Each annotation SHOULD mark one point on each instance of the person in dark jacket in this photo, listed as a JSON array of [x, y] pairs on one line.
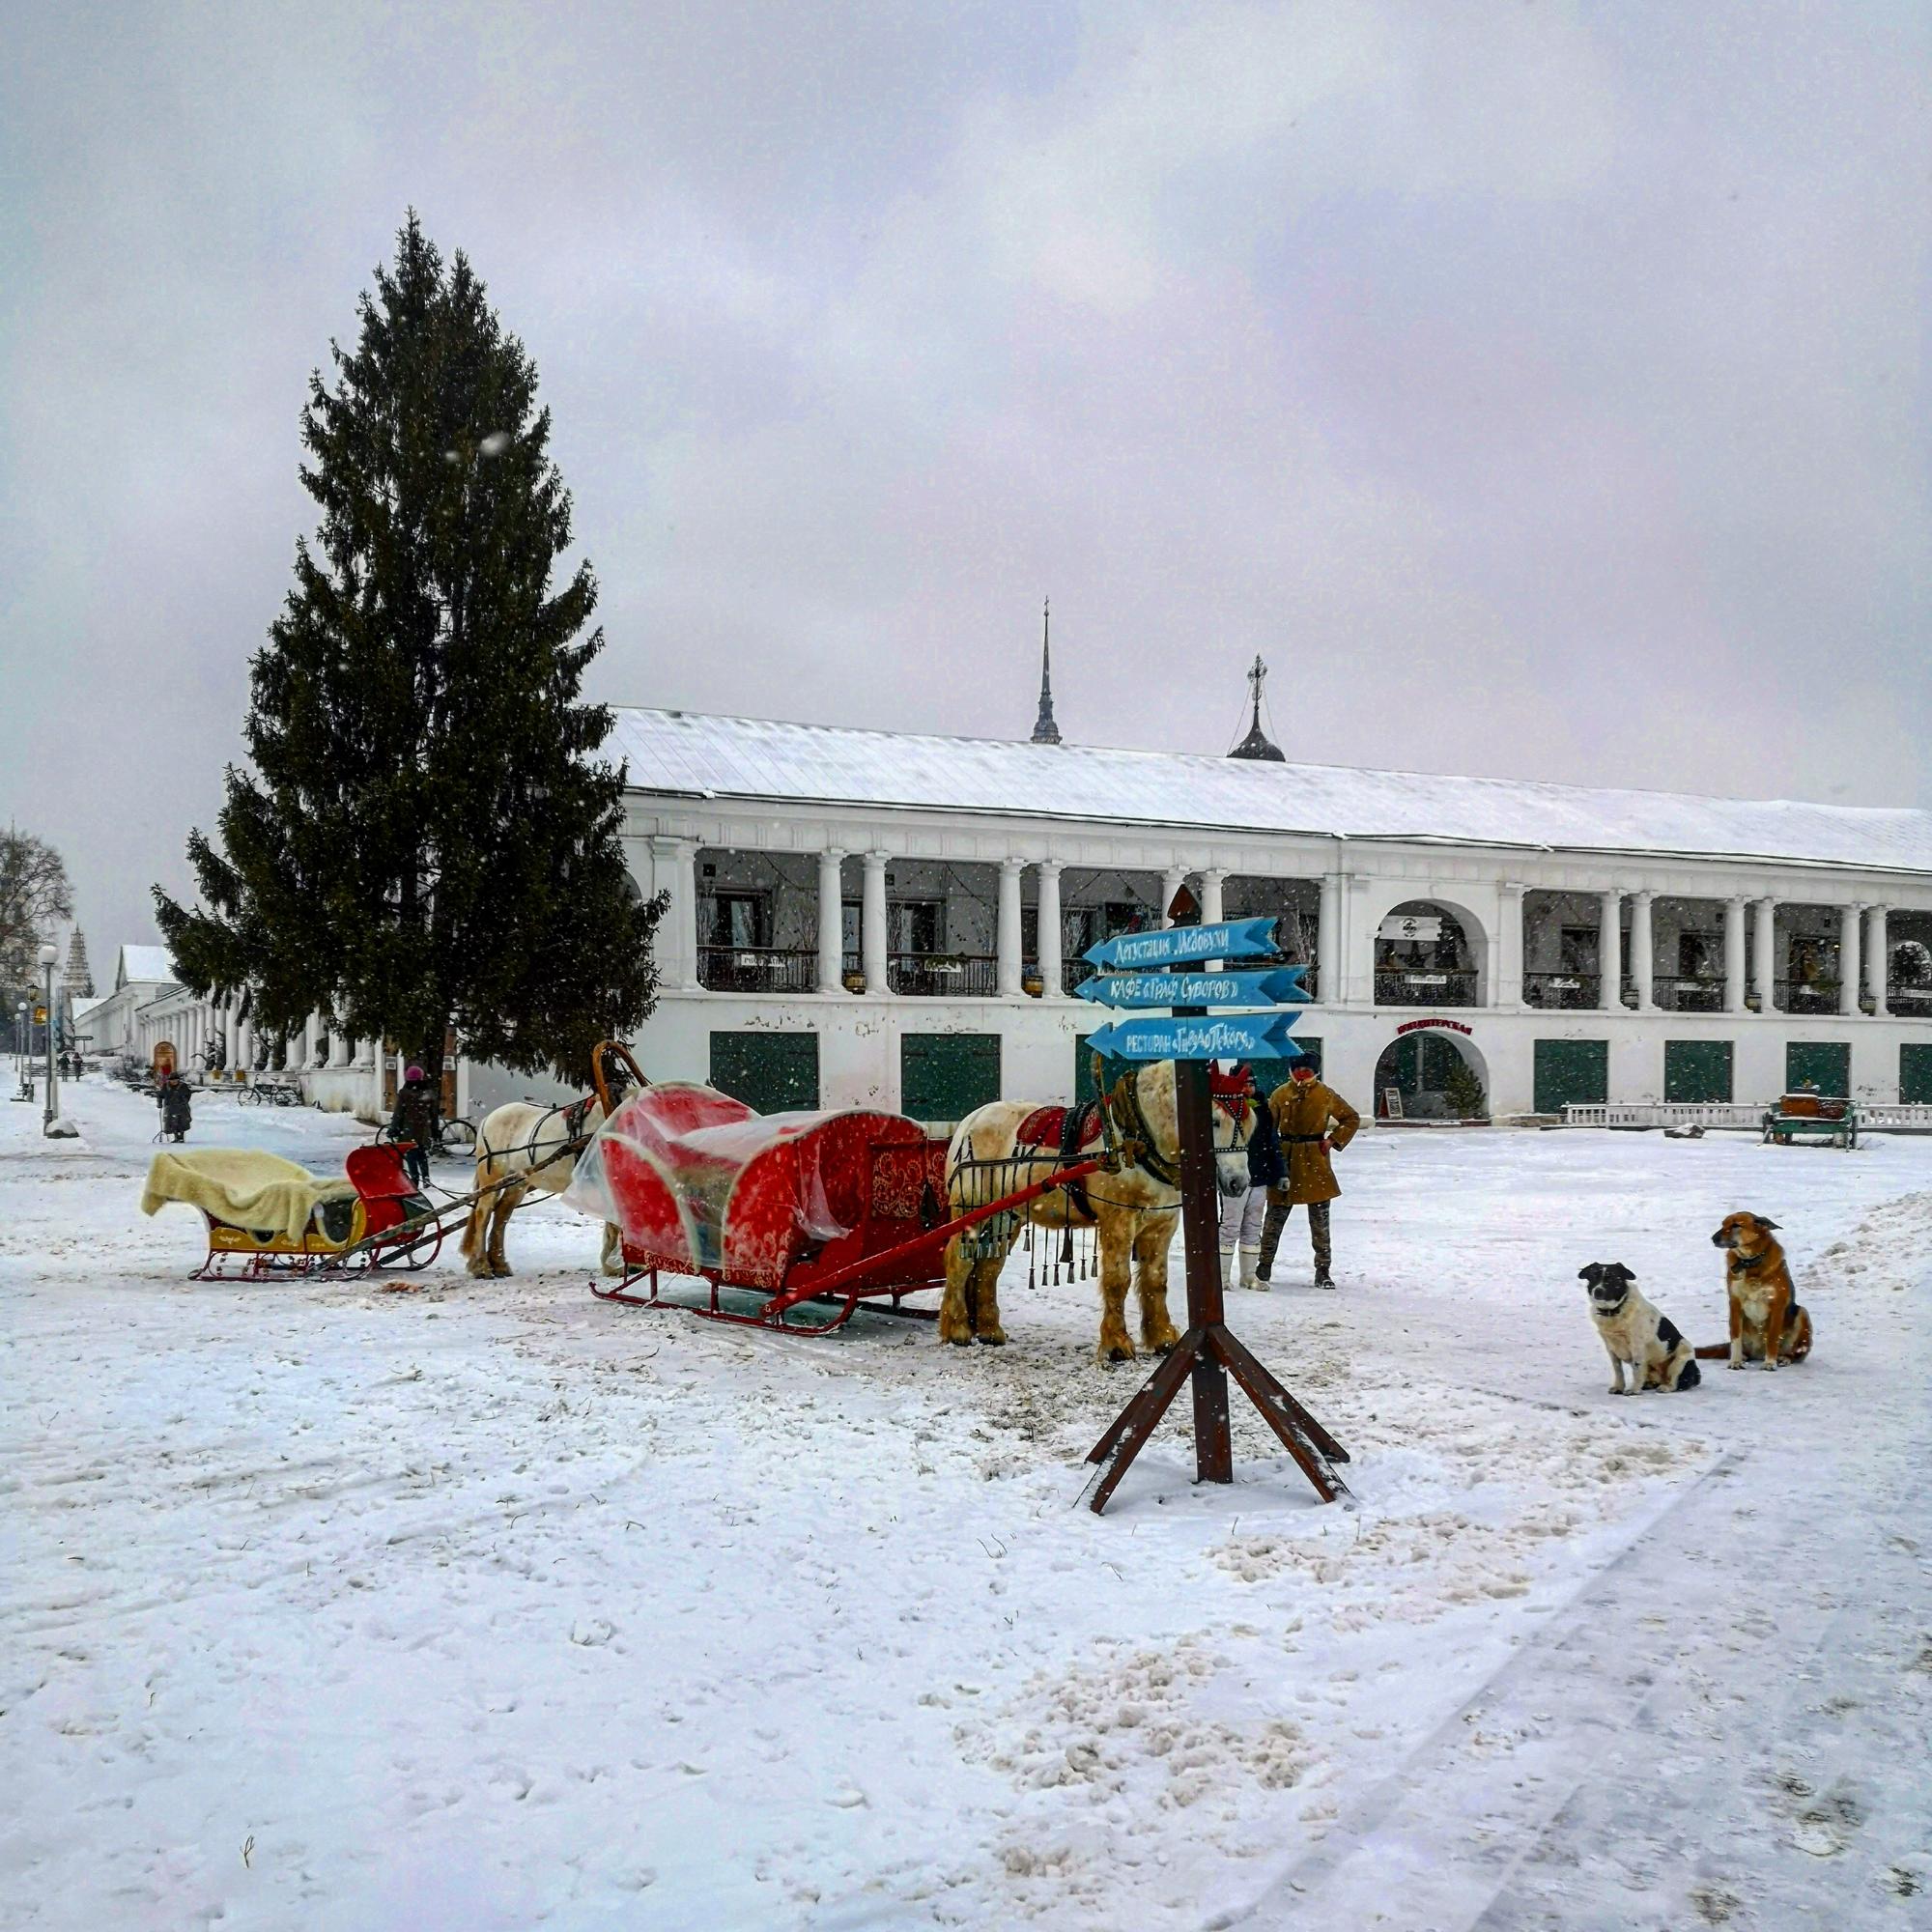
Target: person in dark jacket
[[416, 1123], [1241, 1213], [175, 1100]]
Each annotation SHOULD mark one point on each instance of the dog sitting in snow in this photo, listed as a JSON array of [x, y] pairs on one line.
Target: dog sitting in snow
[[1633, 1332], [1767, 1323]]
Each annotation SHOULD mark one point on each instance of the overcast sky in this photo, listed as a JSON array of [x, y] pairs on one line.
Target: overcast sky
[[1542, 388]]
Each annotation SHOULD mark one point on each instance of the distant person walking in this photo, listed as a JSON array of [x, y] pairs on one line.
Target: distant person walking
[[414, 1123], [175, 1100], [1311, 1119]]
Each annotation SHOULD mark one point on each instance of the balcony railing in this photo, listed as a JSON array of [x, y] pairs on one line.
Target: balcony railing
[[1909, 998], [1572, 991], [756, 969], [1682, 993], [942, 975], [1807, 996], [1426, 986]]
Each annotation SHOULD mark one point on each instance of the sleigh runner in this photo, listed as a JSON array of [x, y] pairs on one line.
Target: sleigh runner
[[810, 1212]]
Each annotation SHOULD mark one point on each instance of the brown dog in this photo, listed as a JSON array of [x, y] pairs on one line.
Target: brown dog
[[1767, 1323]]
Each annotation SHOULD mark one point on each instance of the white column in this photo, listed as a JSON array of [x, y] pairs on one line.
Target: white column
[[1006, 944], [1765, 973], [1328, 941], [340, 1047], [1851, 929], [1643, 958], [245, 1044], [674, 867], [1734, 955], [365, 1052], [311, 1042], [1506, 988], [1610, 954], [1170, 882], [1878, 961], [1212, 878], [1051, 971], [831, 921], [873, 925], [1359, 939]]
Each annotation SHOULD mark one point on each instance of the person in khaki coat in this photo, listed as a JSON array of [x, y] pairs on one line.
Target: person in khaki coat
[[1311, 1119]]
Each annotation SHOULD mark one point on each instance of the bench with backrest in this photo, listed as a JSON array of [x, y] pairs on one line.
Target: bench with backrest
[[1809, 1115]]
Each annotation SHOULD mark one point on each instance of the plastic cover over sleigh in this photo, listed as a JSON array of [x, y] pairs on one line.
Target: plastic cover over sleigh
[[700, 1185]]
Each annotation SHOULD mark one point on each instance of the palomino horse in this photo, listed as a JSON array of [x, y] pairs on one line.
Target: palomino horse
[[524, 1149], [1133, 1211]]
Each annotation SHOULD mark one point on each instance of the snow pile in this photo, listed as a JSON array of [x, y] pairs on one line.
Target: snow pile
[[488, 1605]]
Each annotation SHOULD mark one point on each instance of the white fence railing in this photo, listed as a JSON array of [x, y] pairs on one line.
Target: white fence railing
[[1875, 1115]]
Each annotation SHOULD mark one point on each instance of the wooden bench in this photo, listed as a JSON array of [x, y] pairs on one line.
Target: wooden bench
[[1809, 1115]]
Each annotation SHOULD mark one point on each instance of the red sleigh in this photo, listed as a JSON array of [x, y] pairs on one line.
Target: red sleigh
[[827, 1208]]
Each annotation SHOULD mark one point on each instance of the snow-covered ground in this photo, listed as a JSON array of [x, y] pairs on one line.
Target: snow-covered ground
[[491, 1605]]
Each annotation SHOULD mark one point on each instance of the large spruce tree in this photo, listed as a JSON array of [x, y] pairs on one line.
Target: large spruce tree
[[426, 840]]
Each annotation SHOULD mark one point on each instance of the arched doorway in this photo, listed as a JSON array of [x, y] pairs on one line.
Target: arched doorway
[[1432, 1073], [1429, 953], [163, 1057]]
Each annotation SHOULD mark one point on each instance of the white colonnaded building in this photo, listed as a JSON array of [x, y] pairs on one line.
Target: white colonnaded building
[[897, 920]]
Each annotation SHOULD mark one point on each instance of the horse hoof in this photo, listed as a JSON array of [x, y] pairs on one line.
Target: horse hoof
[[958, 1341], [997, 1338], [1119, 1354]]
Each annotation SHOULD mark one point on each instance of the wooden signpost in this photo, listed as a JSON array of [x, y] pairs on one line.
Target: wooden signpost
[[1208, 1352]]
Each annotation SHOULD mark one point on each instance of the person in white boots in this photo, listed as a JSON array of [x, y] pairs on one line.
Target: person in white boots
[[1241, 1213]]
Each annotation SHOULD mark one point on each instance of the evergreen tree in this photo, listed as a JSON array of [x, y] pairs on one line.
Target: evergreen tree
[[426, 841]]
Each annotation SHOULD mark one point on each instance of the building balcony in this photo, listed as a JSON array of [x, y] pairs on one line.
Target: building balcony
[[942, 975], [1570, 992], [1426, 986], [756, 969]]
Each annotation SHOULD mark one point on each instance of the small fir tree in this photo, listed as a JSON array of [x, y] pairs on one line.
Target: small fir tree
[[426, 841], [1463, 1089]]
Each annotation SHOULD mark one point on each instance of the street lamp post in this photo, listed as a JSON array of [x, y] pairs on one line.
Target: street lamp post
[[51, 1113], [20, 1050]]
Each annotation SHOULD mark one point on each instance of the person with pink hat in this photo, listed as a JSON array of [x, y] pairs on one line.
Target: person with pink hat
[[413, 1125]]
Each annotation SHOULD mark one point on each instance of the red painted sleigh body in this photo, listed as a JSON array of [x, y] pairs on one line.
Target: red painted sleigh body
[[828, 1209]]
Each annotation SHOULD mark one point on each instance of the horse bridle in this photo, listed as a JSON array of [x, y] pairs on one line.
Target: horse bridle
[[1134, 1129]]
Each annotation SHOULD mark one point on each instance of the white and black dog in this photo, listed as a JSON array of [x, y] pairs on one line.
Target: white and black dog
[[1634, 1332]]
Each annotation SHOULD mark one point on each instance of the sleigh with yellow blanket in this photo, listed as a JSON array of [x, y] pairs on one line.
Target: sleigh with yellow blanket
[[269, 1216]]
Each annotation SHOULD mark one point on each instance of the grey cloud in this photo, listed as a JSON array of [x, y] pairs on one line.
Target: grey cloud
[[1541, 389]]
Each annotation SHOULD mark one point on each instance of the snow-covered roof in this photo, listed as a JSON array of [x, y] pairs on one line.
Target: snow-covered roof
[[690, 755], [145, 965]]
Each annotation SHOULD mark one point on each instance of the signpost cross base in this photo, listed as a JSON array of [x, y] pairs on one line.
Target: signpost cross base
[[1214, 1348]]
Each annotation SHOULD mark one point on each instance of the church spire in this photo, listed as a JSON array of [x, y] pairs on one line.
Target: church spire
[[1044, 731], [1257, 744]]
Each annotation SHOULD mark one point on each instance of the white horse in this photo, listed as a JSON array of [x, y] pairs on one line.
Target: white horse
[[521, 1149], [1134, 1212]]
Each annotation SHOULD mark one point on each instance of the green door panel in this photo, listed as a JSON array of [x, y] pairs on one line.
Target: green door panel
[[1823, 1064], [1697, 1071], [943, 1076], [774, 1072], [1572, 1071], [1915, 1073]]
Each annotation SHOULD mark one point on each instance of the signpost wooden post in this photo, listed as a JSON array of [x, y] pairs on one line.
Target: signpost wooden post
[[1207, 1353]]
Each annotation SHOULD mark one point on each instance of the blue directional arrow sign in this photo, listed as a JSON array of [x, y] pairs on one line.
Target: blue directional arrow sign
[[1222, 1036], [1181, 945], [1279, 985]]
